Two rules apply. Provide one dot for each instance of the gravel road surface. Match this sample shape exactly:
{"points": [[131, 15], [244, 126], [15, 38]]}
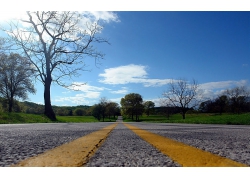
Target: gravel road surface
{"points": [[20, 141], [123, 147], [231, 141]]}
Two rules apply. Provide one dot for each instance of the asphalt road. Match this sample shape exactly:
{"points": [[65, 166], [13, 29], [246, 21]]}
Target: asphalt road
{"points": [[123, 147], [20, 141]]}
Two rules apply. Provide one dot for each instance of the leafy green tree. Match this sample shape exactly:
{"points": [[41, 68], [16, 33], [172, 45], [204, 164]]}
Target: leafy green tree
{"points": [[132, 105], [148, 107], [70, 112], [97, 111], [16, 75], [112, 109], [79, 112]]}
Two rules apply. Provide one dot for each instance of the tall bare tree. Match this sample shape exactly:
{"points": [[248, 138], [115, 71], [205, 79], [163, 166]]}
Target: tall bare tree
{"points": [[15, 78], [56, 43], [182, 94]]}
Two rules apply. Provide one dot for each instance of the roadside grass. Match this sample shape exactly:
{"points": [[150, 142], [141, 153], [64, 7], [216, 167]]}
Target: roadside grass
{"points": [[196, 118], [199, 118], [21, 118]]}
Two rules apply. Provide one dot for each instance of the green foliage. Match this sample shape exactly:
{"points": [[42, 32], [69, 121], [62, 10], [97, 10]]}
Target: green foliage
{"points": [[15, 78], [97, 111], [148, 107], [132, 106], [79, 112]]}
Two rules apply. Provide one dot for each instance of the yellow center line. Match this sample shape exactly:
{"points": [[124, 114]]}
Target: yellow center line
{"points": [[183, 154], [73, 154]]}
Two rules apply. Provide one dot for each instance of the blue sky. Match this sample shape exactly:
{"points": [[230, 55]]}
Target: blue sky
{"points": [[149, 48]]}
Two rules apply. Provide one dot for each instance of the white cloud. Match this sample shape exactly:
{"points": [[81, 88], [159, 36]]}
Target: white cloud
{"points": [[79, 99], [79, 86], [155, 82], [222, 84], [124, 90], [123, 74], [104, 16], [214, 89], [87, 19], [130, 74], [88, 94], [117, 100]]}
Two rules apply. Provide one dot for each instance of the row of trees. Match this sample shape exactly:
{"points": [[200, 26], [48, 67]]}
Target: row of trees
{"points": [[105, 108], [235, 100]]}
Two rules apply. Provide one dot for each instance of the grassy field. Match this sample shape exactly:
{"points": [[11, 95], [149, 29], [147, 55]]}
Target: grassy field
{"points": [[19, 118], [199, 118]]}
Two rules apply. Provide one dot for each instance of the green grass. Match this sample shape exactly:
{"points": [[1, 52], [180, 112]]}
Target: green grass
{"points": [[200, 118], [20, 118]]}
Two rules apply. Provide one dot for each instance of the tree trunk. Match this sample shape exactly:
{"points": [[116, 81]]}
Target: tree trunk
{"points": [[48, 111], [10, 104], [183, 115]]}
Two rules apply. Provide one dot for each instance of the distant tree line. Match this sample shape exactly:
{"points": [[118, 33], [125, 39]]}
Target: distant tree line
{"points": [[235, 100], [105, 109]]}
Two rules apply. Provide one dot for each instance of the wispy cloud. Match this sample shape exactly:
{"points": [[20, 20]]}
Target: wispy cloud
{"points": [[87, 95], [80, 86], [79, 99], [222, 84], [104, 16], [130, 74], [213, 89], [124, 90]]}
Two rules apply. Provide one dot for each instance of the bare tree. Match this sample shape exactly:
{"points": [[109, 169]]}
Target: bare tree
{"points": [[15, 78], [238, 97], [168, 107], [181, 94], [55, 43]]}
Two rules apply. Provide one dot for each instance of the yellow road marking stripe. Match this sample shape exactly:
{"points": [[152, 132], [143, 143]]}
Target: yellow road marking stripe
{"points": [[185, 155], [73, 154]]}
